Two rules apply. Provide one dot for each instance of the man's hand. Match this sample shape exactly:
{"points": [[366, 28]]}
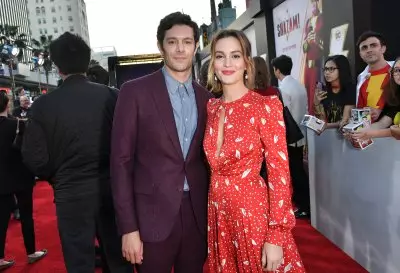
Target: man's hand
{"points": [[375, 113], [132, 247], [272, 257]]}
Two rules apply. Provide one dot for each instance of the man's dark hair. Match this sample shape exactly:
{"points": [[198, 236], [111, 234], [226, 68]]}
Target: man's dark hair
{"points": [[284, 63], [3, 101], [98, 74], [70, 54], [173, 19], [18, 90], [369, 34]]}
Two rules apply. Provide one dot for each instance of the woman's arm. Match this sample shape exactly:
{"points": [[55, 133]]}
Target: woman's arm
{"points": [[320, 111], [377, 130], [346, 115], [383, 123], [272, 133]]}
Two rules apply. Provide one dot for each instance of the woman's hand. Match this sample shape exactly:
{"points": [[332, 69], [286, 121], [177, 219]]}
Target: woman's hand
{"points": [[319, 96], [272, 257], [362, 135], [343, 123], [395, 130], [319, 132]]}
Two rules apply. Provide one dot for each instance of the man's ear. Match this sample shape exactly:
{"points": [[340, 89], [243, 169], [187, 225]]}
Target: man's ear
{"points": [[160, 48], [383, 49]]}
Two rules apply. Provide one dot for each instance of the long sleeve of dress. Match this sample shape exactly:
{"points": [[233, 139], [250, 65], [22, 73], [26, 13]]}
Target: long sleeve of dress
{"points": [[273, 136]]}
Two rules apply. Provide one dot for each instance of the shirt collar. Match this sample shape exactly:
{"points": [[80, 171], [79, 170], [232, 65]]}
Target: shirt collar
{"points": [[285, 79], [174, 84]]}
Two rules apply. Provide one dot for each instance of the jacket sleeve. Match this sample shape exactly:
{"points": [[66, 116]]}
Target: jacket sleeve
{"points": [[123, 148], [34, 146]]}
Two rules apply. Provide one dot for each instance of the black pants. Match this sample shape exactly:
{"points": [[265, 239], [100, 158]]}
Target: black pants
{"points": [[25, 206], [301, 186], [78, 221]]}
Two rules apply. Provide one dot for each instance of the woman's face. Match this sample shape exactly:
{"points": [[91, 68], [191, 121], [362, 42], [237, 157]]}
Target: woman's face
{"points": [[331, 72], [396, 72], [229, 64]]}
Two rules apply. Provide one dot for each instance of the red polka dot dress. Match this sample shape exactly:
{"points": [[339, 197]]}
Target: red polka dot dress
{"points": [[244, 212]]}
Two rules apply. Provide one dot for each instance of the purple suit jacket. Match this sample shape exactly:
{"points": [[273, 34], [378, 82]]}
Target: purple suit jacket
{"points": [[147, 164]]}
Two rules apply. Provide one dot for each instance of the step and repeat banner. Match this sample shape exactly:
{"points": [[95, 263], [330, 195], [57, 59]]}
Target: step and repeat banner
{"points": [[311, 30]]}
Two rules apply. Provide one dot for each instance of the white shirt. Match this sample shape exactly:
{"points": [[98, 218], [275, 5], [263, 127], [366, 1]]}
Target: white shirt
{"points": [[294, 97]]}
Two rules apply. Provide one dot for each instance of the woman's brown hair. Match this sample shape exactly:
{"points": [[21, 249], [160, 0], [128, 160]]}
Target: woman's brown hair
{"points": [[262, 76], [392, 89], [215, 84]]}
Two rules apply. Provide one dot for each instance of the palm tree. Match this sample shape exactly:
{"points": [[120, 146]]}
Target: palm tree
{"points": [[10, 38], [93, 62], [42, 51]]}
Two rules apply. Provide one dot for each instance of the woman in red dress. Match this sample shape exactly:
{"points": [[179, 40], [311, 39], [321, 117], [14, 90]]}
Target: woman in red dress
{"points": [[250, 223]]}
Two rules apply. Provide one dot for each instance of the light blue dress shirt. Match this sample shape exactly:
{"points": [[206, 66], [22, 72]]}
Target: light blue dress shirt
{"points": [[184, 106]]}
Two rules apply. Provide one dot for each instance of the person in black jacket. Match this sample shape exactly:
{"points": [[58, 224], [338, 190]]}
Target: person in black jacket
{"points": [[98, 74], [23, 110], [67, 143], [16, 180]]}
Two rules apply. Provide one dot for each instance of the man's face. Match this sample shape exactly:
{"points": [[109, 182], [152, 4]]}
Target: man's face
{"points": [[178, 48], [314, 7], [24, 102], [371, 50]]}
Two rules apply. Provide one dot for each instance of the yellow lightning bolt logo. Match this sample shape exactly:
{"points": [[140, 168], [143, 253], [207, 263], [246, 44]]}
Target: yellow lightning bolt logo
{"points": [[374, 90]]}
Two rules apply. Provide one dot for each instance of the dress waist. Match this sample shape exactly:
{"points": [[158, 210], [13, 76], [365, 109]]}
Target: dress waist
{"points": [[251, 173]]}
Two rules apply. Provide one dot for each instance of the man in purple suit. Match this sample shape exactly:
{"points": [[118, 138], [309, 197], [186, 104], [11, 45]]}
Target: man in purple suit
{"points": [[159, 175]]}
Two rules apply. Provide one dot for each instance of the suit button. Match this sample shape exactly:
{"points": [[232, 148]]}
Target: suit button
{"points": [[180, 190]]}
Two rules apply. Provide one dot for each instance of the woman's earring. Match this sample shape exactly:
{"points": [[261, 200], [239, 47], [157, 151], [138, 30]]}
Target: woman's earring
{"points": [[215, 78], [245, 75]]}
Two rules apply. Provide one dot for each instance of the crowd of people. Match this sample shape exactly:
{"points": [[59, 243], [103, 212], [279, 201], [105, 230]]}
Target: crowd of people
{"points": [[171, 171]]}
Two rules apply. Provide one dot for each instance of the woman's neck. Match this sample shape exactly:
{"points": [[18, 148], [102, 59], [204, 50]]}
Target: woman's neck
{"points": [[4, 114], [233, 92], [335, 85]]}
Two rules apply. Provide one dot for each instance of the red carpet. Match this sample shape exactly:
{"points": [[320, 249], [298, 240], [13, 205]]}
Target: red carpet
{"points": [[318, 254]]}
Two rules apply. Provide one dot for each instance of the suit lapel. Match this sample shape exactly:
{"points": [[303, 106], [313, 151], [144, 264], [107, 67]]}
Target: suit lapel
{"points": [[201, 112], [164, 106]]}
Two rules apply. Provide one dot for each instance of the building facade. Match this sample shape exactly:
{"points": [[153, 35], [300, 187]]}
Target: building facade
{"points": [[15, 13], [54, 17], [101, 54]]}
